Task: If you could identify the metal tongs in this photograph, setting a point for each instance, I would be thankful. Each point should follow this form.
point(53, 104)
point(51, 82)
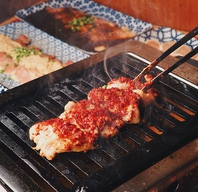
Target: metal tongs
point(187, 37)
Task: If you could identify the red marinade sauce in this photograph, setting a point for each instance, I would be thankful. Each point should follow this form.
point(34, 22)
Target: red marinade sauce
point(105, 107)
point(115, 99)
point(65, 129)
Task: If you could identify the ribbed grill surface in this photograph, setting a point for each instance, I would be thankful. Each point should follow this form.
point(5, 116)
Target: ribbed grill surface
point(166, 125)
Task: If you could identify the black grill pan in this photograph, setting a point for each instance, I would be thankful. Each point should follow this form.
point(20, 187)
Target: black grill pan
point(168, 124)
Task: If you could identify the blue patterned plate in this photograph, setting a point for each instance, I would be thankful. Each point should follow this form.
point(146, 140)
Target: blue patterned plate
point(91, 8)
point(165, 35)
point(2, 89)
point(45, 42)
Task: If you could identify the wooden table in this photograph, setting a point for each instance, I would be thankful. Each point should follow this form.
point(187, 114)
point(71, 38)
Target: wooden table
point(177, 14)
point(8, 8)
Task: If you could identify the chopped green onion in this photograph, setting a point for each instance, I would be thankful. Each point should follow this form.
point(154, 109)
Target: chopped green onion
point(9, 56)
point(25, 52)
point(77, 23)
point(2, 71)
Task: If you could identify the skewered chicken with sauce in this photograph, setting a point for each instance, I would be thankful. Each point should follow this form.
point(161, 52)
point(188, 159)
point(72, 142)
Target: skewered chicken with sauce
point(102, 114)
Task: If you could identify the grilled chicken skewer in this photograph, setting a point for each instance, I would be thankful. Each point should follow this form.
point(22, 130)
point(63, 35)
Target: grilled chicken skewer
point(102, 114)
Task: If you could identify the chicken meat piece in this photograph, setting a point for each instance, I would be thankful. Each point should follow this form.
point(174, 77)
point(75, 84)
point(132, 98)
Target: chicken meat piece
point(127, 83)
point(75, 130)
point(88, 114)
point(59, 135)
point(121, 102)
point(102, 114)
